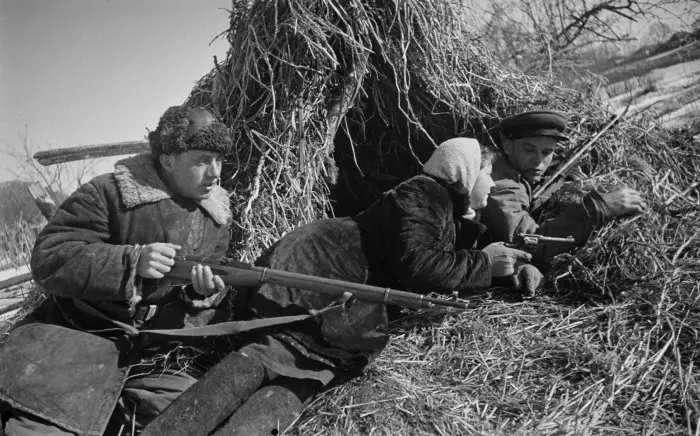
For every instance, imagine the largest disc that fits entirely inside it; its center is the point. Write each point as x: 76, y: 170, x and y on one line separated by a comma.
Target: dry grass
x: 608, y: 347
x: 16, y: 242
x: 337, y: 101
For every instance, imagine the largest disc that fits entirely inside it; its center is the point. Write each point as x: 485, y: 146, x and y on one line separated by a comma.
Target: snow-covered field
x: 666, y: 92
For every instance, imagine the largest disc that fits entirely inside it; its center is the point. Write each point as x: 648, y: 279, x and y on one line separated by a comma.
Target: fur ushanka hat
x: 182, y: 129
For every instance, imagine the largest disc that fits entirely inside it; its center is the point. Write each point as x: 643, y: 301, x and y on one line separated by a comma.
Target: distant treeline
x: 678, y: 39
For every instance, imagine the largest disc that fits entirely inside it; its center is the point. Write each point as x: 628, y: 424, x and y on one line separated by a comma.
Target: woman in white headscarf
x: 417, y: 237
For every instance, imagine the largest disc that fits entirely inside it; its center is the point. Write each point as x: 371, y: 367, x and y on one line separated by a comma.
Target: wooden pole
x: 70, y: 154
x: 16, y: 280
x: 10, y: 308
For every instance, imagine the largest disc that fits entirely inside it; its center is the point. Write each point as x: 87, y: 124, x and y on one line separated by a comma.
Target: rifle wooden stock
x: 70, y: 154
x: 241, y: 274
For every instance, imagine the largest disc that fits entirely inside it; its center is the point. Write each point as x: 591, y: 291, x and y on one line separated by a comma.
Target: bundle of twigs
x: 609, y: 347
x: 339, y: 100
x: 348, y: 92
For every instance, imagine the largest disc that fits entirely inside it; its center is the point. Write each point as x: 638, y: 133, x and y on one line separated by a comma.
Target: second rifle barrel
x: 540, y: 189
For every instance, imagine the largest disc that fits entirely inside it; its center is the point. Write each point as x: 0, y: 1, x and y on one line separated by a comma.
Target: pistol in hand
x: 530, y: 241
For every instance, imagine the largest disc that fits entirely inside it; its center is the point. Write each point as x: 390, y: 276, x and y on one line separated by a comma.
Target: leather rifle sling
x: 219, y: 329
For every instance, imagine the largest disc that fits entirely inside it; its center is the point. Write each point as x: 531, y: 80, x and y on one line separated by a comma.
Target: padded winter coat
x: 413, y: 238
x: 63, y: 363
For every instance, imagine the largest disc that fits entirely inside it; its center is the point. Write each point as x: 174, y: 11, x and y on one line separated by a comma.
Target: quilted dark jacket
x: 411, y: 239
x: 67, y: 366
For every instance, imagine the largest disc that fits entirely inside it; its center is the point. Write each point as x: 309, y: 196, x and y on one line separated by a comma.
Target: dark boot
x: 271, y: 409
x: 211, y: 400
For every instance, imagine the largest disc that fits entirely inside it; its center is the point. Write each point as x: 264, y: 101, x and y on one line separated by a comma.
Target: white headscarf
x: 458, y: 161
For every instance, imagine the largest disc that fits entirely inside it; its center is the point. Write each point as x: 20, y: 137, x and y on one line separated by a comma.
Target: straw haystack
x: 336, y: 101
x: 339, y: 100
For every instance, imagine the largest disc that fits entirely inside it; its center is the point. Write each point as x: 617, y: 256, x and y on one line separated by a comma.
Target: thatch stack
x: 338, y: 100
x: 368, y: 87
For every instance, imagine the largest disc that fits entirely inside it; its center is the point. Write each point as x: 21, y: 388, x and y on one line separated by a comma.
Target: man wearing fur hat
x: 528, y: 143
x: 70, y: 367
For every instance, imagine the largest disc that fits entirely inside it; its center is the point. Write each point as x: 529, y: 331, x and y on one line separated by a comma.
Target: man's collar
x: 139, y: 183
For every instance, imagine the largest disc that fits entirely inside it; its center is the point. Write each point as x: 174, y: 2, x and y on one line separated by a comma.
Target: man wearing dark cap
x: 74, y: 365
x: 528, y: 141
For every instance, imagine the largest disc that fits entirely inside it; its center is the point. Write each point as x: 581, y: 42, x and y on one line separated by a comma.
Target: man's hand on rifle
x: 205, y: 282
x: 624, y: 201
x: 156, y: 260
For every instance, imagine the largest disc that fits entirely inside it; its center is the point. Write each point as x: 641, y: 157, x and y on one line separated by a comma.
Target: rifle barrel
x: 242, y: 274
x: 564, y: 168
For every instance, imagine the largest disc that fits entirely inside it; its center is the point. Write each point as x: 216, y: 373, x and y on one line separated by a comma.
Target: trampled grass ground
x: 542, y: 367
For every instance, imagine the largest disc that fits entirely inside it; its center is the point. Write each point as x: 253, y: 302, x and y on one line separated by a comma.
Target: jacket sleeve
x: 416, y: 230
x: 74, y: 255
x: 507, y: 211
x: 578, y: 220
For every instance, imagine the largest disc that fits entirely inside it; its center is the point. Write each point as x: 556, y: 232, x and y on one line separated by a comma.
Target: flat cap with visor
x: 535, y: 123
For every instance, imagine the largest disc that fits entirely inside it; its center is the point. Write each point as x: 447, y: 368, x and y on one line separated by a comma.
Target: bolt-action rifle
x: 242, y: 274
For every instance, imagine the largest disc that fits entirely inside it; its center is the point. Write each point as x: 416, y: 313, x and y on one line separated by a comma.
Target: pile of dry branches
x: 609, y: 347
x: 336, y: 101
x: 339, y: 100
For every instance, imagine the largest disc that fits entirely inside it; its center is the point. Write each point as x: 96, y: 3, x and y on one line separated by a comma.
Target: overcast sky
x: 80, y: 72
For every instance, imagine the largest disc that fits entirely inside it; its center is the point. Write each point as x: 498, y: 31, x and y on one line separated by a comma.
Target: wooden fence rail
x: 70, y: 154
x: 16, y: 280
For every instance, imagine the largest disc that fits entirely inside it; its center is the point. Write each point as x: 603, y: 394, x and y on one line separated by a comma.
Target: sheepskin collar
x: 139, y: 183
